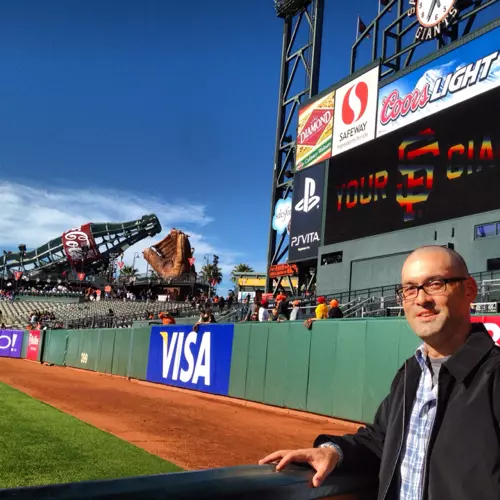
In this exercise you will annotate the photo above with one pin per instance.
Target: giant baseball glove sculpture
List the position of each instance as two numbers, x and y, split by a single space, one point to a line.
170 257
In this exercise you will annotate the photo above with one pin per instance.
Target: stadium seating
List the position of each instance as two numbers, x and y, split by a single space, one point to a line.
94 314
16 314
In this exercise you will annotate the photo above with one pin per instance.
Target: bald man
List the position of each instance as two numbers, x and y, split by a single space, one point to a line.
436 436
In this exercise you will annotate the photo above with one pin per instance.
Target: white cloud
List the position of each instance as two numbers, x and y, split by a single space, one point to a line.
33 216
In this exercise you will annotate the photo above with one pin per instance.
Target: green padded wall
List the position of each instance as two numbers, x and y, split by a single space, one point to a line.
24 349
73 349
121 351
276 365
106 350
297 352
381 363
349 370
256 371
88 349
239 360
140 352
54 347
322 366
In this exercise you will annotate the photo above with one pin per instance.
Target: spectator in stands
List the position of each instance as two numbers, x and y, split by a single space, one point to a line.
321 311
282 305
166 318
274 315
295 313
263 312
419 447
253 310
255 315
110 317
334 312
206 317
222 303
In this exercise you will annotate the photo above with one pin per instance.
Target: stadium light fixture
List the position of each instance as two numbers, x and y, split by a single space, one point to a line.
288 8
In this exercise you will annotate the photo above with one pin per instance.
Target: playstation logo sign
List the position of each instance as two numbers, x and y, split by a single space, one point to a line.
307 214
310 199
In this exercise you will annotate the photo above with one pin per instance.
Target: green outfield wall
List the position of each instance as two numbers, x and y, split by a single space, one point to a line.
339 368
116 351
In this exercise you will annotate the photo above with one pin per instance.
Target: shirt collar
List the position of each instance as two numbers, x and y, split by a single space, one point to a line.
462 362
421 356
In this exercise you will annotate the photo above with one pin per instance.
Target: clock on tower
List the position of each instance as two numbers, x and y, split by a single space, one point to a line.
433 16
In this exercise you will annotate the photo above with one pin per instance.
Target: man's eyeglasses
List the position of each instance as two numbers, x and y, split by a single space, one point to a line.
431 287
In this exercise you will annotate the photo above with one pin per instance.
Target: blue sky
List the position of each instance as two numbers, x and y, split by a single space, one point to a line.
110 110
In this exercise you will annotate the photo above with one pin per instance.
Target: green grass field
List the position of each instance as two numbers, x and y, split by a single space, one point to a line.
42 445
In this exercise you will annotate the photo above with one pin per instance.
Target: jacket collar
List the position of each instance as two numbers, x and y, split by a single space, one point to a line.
477 345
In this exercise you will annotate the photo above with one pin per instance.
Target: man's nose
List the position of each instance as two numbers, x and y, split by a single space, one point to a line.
423 298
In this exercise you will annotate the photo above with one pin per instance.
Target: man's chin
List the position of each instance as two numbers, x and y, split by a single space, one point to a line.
428 326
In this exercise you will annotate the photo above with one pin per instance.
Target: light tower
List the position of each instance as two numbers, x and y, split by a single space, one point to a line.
299 79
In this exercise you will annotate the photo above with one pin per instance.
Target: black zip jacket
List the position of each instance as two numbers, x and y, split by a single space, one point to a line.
463 457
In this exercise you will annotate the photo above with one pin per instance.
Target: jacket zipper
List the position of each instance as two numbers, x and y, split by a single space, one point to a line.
401 440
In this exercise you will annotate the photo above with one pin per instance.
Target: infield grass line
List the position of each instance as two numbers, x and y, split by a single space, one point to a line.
40 444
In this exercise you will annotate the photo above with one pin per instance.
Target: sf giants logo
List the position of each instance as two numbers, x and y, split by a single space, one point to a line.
418 179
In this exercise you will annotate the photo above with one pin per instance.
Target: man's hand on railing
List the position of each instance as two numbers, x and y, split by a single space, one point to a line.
322 460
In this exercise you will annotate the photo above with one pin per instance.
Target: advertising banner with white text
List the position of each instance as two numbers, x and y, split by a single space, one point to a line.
199 360
355 116
314 133
461 74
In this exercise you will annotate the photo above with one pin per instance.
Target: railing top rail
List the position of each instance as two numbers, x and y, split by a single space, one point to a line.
245 482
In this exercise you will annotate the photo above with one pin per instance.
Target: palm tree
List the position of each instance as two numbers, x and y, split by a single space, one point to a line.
240 268
128 272
210 272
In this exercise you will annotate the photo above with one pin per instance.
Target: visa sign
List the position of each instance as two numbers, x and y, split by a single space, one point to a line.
199 360
180 348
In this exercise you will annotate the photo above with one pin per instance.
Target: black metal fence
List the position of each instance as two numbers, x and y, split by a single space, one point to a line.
246 482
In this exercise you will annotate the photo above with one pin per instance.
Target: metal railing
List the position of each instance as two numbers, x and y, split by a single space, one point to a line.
244 483
47 293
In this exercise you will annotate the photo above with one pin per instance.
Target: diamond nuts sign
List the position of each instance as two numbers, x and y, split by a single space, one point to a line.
314 134
355 115
305 230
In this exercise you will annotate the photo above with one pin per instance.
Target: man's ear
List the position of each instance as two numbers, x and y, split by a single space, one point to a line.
471 289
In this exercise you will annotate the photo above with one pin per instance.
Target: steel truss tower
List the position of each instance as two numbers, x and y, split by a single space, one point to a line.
299 80
396 43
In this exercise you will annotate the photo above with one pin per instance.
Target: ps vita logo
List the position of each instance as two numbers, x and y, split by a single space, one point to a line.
433 16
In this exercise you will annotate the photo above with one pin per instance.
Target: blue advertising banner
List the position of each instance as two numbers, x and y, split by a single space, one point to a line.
463 73
193 360
11 343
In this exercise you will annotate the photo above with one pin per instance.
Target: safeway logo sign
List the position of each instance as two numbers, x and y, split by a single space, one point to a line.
310 199
355 103
355 115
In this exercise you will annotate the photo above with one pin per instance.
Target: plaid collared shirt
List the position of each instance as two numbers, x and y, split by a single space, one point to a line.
418 433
